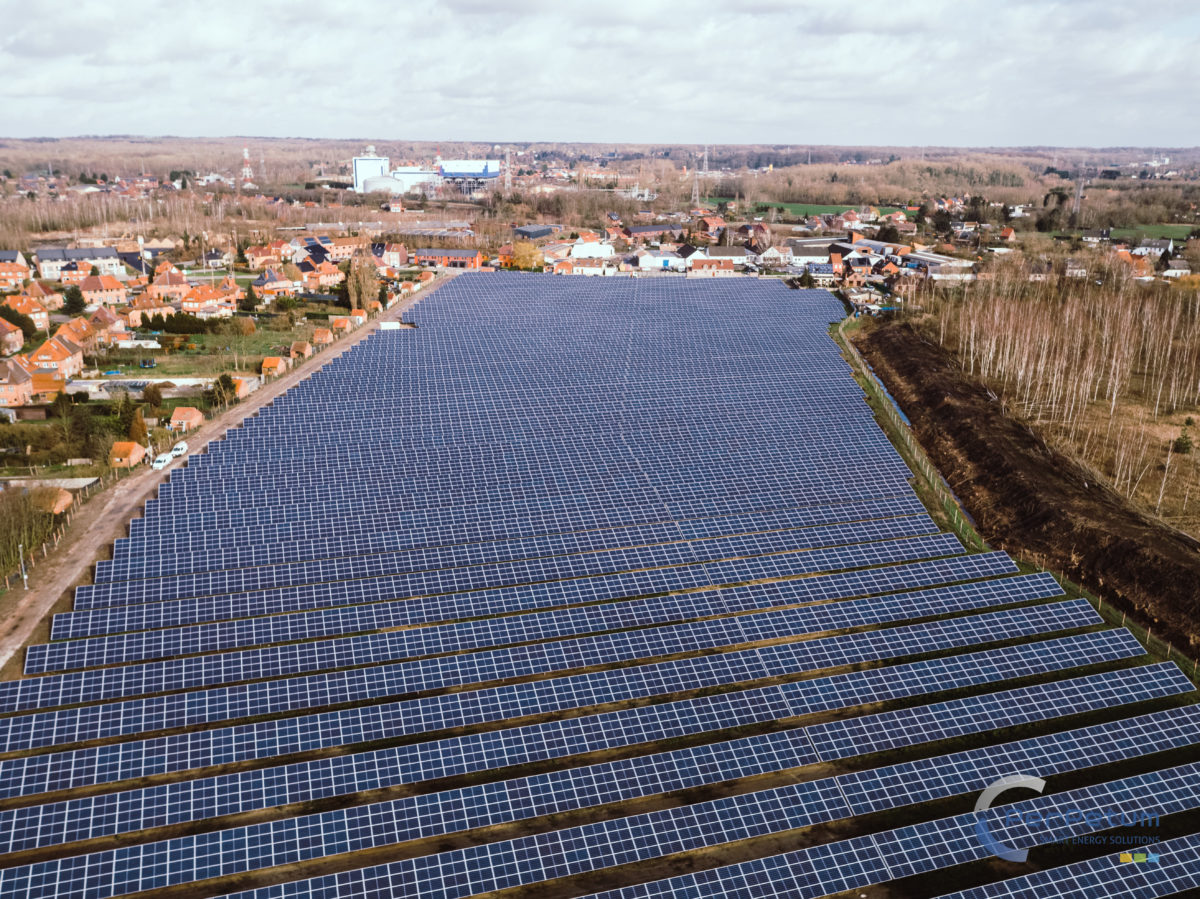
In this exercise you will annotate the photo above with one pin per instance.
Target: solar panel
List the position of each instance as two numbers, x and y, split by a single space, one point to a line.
821 870
876 858
873 790
642 536
357 685
518 599
1161 869
474 752
295 658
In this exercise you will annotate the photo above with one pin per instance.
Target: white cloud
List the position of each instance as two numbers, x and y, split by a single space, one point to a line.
775 71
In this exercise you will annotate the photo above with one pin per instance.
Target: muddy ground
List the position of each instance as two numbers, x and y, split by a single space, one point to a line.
1031 500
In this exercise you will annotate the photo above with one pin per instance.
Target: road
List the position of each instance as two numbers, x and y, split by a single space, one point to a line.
105 516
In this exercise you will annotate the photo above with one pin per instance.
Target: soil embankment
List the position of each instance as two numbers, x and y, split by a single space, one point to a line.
1032 501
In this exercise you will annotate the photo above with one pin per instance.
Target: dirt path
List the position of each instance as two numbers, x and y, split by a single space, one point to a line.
1033 501
105 516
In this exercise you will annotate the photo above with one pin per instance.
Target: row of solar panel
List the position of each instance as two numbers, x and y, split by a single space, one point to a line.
369 684
1173 869
495 521
557 477
555 408
729 418
506 601
731 500
875 858
598 586
903 783
388 539
223 494
293 840
549 558
834 488
589 847
294 658
242 743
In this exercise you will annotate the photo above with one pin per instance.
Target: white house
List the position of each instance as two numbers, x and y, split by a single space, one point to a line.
776 257
51 260
1154 248
739 255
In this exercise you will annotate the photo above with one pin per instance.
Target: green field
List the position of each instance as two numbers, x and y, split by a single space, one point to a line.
803 209
1175 232
214 354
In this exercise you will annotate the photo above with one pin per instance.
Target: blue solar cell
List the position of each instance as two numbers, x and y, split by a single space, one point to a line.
127 761
197 671
865 791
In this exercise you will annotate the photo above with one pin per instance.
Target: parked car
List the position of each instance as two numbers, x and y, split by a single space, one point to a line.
162 461
179 449
148 363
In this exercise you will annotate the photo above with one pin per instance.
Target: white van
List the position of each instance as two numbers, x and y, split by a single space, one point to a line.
179 449
162 461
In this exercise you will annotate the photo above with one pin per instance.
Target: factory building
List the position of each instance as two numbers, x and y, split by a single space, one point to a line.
372 174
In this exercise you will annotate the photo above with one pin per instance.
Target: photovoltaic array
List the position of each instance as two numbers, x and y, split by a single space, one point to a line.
563 547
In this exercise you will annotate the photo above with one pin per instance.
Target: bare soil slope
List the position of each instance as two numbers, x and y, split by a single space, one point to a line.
1032 501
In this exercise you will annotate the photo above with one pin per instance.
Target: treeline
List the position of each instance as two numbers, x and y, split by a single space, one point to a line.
1106 367
23 523
897 184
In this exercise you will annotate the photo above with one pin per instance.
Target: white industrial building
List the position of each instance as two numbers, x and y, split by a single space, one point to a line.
592 250
373 175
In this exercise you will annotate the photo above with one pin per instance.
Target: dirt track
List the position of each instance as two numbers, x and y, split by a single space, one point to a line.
1032 501
104 518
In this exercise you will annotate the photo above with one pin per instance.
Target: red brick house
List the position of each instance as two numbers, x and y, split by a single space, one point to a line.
169 285
126 454
16 384
110 327
262 257
79 331
102 290
450 258
12 338
185 418
27 305
48 298
12 275
712 268
60 354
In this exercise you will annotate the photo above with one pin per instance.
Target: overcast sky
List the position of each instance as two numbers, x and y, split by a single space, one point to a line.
901 72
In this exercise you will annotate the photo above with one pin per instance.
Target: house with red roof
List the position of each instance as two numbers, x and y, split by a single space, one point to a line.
13 275
169 285
110 326
79 331
12 338
27 305
185 418
16 383
102 290
61 354
126 454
